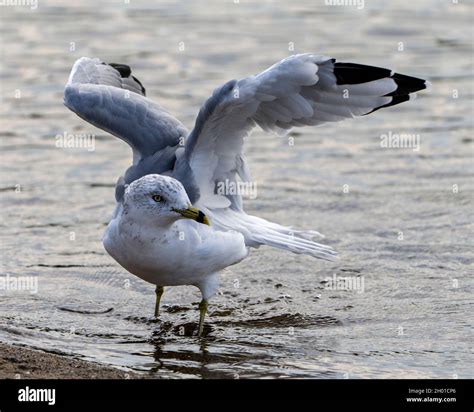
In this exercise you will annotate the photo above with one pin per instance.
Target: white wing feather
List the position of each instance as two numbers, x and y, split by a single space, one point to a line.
99 94
301 90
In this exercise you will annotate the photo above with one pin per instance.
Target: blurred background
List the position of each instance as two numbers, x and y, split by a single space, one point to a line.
400 218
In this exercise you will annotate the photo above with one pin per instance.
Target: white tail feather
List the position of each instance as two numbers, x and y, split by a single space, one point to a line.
258 232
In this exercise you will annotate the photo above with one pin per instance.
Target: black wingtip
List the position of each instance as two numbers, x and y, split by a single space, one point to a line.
352 73
395 100
141 85
125 72
407 84
123 69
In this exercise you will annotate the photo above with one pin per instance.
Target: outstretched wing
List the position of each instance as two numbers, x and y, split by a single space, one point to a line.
111 98
300 90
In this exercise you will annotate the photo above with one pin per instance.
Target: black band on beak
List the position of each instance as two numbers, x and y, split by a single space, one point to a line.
200 217
194 214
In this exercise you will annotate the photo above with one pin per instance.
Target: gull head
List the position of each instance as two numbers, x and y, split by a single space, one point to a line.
159 200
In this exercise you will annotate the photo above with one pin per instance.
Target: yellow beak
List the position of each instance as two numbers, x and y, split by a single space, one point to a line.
194 214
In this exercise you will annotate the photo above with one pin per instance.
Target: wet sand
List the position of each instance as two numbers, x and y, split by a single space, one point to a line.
21 363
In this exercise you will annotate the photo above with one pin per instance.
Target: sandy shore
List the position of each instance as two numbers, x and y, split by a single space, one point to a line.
21 363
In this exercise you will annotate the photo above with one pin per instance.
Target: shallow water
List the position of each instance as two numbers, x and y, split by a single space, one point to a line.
402 227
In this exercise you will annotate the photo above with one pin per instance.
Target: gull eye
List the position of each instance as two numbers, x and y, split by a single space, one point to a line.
157 198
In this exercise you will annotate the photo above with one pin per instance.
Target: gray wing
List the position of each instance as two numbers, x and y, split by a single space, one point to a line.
111 98
301 90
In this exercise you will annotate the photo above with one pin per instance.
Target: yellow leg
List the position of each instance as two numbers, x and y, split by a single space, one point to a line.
159 291
202 315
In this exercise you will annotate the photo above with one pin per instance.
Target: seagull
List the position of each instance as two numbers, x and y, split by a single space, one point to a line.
171 225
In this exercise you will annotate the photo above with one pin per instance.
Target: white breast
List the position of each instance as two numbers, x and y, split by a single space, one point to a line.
181 254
